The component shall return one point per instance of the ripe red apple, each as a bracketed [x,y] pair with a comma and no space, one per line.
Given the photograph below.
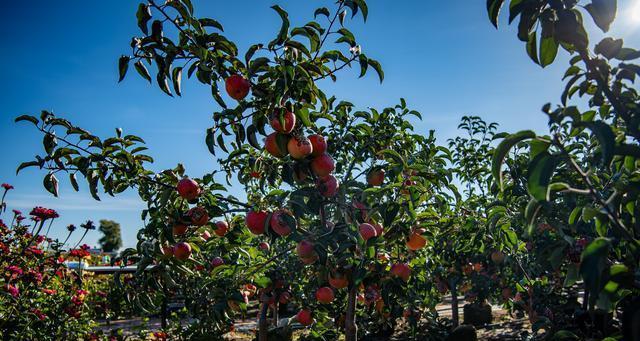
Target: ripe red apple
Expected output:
[322,165]
[338,281]
[256,221]
[273,147]
[309,260]
[304,317]
[198,216]
[167,250]
[416,241]
[216,262]
[328,186]
[319,144]
[378,227]
[305,249]
[221,228]
[179,229]
[182,251]
[325,295]
[188,189]
[299,147]
[375,177]
[401,270]
[205,235]
[367,231]
[285,116]
[237,87]
[264,246]
[282,222]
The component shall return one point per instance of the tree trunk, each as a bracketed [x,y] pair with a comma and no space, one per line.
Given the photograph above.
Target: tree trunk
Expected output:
[455,317]
[350,327]
[262,321]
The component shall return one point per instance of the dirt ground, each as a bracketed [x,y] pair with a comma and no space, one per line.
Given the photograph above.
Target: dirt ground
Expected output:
[504,327]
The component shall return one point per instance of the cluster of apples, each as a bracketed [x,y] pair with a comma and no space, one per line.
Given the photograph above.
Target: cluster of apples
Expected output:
[195,217]
[283,142]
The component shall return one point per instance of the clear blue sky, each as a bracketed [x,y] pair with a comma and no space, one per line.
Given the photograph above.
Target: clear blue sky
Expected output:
[444,57]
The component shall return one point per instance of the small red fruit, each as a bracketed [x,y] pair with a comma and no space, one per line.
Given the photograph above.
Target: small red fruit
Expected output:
[198,216]
[367,231]
[264,246]
[167,250]
[273,147]
[221,228]
[305,249]
[237,87]
[322,165]
[256,221]
[416,241]
[328,186]
[188,189]
[375,177]
[319,144]
[216,262]
[325,295]
[278,118]
[179,229]
[205,235]
[401,270]
[379,228]
[281,222]
[304,317]
[299,147]
[182,251]
[338,282]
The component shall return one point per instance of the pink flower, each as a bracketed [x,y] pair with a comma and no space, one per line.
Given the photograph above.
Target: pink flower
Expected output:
[14,270]
[43,213]
[7,186]
[39,314]
[13,290]
[16,212]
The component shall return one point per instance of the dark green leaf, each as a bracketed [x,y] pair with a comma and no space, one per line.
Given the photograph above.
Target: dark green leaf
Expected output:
[503,148]
[540,171]
[603,12]
[123,66]
[493,9]
[143,15]
[50,183]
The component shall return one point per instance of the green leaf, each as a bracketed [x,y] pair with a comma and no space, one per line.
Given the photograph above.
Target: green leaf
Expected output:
[161,78]
[603,12]
[29,118]
[211,141]
[74,182]
[362,4]
[142,70]
[123,66]
[250,52]
[548,50]
[27,164]
[493,9]
[606,139]
[50,183]
[376,66]
[284,29]
[208,22]
[609,47]
[251,136]
[530,214]
[539,174]
[503,148]
[564,335]
[177,80]
[593,263]
[143,15]
[532,47]
[323,10]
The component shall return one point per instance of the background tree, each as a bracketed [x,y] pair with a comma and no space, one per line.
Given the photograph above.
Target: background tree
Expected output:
[111,240]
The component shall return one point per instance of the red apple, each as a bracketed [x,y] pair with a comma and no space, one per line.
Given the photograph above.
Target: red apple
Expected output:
[325,295]
[182,251]
[322,165]
[256,221]
[188,189]
[304,317]
[367,231]
[328,186]
[198,216]
[282,222]
[319,144]
[401,270]
[221,228]
[216,262]
[299,147]
[274,147]
[264,246]
[305,249]
[179,229]
[283,116]
[284,298]
[375,177]
[237,87]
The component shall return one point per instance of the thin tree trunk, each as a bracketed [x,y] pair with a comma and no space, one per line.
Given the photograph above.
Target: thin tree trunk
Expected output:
[455,317]
[350,327]
[262,321]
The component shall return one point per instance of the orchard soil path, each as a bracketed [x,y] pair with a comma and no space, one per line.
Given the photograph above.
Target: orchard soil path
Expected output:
[504,327]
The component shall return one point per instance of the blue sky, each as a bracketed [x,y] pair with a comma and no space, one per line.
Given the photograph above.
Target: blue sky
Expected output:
[444,57]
